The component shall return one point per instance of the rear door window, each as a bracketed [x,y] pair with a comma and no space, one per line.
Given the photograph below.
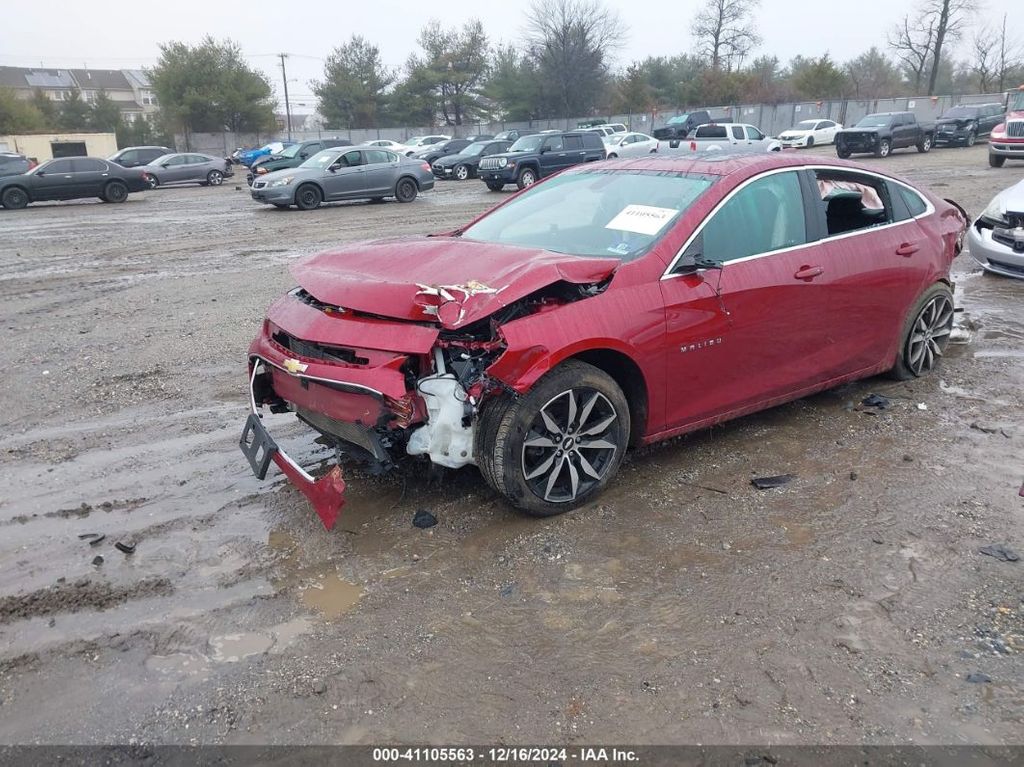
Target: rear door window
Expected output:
[853,201]
[59,166]
[573,142]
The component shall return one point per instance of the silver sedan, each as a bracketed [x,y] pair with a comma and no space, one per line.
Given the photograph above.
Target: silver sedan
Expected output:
[997,238]
[188,168]
[630,145]
[360,173]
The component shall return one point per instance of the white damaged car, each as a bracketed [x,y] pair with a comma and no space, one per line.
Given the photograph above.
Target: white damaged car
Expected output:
[808,133]
[996,238]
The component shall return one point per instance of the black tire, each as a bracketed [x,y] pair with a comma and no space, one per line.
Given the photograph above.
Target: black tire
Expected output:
[406,190]
[460,172]
[14,198]
[115,191]
[996,160]
[494,186]
[841,153]
[884,148]
[215,178]
[972,137]
[527,177]
[810,141]
[308,197]
[612,155]
[925,144]
[154,182]
[925,333]
[544,480]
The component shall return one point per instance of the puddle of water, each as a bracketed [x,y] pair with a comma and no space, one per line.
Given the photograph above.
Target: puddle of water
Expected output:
[231,648]
[331,595]
[177,664]
[1015,353]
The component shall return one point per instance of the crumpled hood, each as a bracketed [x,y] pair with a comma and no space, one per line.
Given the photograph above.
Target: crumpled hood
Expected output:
[1012,200]
[959,122]
[439,279]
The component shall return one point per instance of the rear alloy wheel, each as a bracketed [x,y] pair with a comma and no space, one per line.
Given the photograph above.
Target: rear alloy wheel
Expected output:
[556,447]
[996,160]
[461,172]
[927,333]
[884,147]
[527,177]
[214,178]
[308,197]
[14,198]
[115,191]
[405,190]
[925,145]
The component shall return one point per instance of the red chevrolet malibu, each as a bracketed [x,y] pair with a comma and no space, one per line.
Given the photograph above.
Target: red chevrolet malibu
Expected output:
[615,304]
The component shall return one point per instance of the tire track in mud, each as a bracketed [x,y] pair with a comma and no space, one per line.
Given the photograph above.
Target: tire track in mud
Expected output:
[83,594]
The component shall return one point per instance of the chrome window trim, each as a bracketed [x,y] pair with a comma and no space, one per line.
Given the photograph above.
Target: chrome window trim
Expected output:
[929,209]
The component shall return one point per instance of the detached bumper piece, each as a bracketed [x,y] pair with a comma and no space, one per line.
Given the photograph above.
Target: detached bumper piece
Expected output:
[326,495]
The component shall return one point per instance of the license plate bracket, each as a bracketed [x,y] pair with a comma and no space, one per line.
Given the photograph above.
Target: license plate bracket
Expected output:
[257,446]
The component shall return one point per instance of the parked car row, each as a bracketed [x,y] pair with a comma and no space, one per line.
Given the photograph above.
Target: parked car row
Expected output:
[72,178]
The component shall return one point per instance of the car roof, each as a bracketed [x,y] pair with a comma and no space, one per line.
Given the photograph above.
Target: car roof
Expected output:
[723,163]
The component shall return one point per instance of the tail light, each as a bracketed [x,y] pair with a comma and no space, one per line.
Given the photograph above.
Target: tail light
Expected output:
[426,167]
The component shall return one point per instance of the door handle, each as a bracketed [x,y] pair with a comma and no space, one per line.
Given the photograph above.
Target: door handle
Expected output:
[808,273]
[907,249]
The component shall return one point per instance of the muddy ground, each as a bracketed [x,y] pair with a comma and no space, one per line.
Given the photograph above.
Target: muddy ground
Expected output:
[685,606]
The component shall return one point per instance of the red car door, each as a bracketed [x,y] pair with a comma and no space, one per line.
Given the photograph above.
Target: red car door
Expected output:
[876,256]
[751,331]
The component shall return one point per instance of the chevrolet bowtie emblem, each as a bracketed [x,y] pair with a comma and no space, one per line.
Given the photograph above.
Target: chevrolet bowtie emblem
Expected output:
[294,366]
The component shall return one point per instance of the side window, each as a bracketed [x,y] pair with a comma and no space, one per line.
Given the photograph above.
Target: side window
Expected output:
[711,131]
[311,149]
[573,142]
[89,165]
[737,132]
[350,159]
[129,157]
[176,160]
[59,166]
[378,156]
[553,144]
[853,201]
[754,134]
[915,204]
[197,159]
[765,215]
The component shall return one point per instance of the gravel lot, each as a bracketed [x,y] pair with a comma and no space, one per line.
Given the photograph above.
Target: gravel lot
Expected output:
[851,606]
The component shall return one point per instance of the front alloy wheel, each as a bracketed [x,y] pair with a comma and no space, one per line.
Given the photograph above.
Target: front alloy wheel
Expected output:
[461,172]
[557,446]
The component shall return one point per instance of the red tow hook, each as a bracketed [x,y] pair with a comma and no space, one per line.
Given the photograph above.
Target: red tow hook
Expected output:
[327,494]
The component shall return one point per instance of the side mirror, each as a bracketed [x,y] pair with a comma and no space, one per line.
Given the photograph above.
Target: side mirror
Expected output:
[693,259]
[335,166]
[41,173]
[165,165]
[545,149]
[303,155]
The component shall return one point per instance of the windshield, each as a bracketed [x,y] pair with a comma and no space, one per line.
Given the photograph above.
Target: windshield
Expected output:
[616,139]
[874,121]
[606,213]
[475,148]
[527,144]
[321,159]
[958,112]
[806,125]
[1017,102]
[679,119]
[290,152]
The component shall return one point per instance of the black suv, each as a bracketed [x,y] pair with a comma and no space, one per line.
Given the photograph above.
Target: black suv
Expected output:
[12,164]
[534,157]
[679,127]
[965,123]
[464,164]
[136,156]
[292,156]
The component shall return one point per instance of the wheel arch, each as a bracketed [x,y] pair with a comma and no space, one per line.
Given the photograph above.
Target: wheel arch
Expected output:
[410,176]
[630,378]
[17,186]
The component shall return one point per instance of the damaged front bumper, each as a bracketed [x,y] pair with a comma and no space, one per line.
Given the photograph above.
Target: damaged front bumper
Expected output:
[326,495]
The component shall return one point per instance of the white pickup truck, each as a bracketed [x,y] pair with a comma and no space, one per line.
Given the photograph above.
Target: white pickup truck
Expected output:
[717,136]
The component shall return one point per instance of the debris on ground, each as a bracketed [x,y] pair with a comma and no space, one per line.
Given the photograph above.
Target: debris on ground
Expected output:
[94,539]
[876,401]
[1000,551]
[423,519]
[97,560]
[976,677]
[125,548]
[767,483]
[922,406]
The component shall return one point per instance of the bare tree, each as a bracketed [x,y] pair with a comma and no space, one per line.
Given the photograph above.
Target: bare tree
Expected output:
[1008,56]
[573,42]
[725,32]
[950,17]
[912,42]
[985,53]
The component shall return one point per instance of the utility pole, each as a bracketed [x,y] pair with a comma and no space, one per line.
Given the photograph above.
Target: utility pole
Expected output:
[287,105]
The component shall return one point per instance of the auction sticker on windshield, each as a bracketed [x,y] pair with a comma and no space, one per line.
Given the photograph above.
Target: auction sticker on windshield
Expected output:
[642,219]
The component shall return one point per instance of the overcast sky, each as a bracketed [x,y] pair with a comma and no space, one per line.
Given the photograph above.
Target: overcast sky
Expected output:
[119,34]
